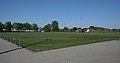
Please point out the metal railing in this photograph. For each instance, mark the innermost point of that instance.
(16, 41)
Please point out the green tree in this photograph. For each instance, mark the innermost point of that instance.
(47, 28)
(92, 27)
(23, 26)
(39, 29)
(84, 30)
(28, 26)
(73, 29)
(1, 26)
(35, 27)
(55, 27)
(18, 26)
(8, 26)
(65, 29)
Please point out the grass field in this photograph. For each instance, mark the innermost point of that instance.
(55, 40)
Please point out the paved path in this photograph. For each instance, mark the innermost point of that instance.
(105, 52)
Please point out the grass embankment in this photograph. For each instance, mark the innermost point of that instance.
(59, 39)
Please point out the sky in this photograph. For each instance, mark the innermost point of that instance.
(69, 13)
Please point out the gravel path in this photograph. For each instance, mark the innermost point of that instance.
(104, 52)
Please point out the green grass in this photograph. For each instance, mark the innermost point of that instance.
(58, 40)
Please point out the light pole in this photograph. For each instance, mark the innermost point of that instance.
(81, 24)
(81, 21)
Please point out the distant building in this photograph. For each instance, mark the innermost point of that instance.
(15, 30)
(88, 30)
(92, 29)
(78, 31)
(4, 29)
(42, 31)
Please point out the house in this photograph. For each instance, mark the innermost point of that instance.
(78, 31)
(88, 30)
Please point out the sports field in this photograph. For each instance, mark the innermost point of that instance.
(55, 40)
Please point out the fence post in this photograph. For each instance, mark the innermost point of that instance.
(14, 41)
(19, 42)
(7, 38)
(3, 37)
(10, 39)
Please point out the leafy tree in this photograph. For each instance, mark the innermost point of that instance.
(39, 29)
(99, 28)
(8, 26)
(28, 26)
(73, 29)
(35, 27)
(1, 26)
(18, 26)
(24, 26)
(15, 25)
(55, 26)
(84, 30)
(114, 29)
(65, 29)
(92, 27)
(47, 28)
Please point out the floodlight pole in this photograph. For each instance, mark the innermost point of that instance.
(81, 21)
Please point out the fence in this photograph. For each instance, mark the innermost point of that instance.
(16, 41)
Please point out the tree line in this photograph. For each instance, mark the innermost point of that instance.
(53, 27)
(8, 26)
